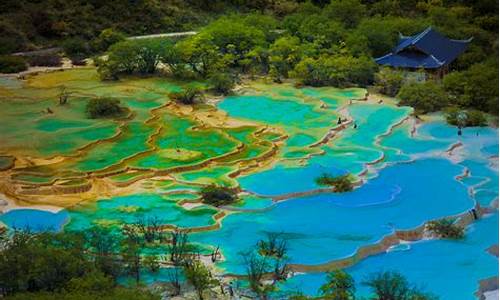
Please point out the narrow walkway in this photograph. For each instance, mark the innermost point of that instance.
(160, 35)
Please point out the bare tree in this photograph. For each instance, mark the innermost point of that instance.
(103, 243)
(280, 269)
(275, 245)
(150, 228)
(63, 95)
(131, 256)
(178, 247)
(199, 276)
(256, 268)
(174, 275)
(215, 254)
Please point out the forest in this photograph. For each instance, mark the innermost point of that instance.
(318, 43)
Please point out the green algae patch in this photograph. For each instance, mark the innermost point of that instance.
(211, 175)
(128, 176)
(130, 143)
(72, 182)
(26, 126)
(30, 178)
(270, 136)
(59, 78)
(180, 140)
(179, 154)
(302, 118)
(300, 140)
(182, 196)
(274, 111)
(251, 202)
(6, 162)
(300, 153)
(129, 209)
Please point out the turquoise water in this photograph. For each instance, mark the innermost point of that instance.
(449, 269)
(271, 111)
(283, 180)
(414, 182)
(326, 227)
(35, 220)
(130, 209)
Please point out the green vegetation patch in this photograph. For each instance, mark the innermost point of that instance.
(105, 108)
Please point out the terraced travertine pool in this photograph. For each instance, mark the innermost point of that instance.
(62, 171)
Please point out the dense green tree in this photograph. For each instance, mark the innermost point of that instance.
(170, 56)
(12, 39)
(200, 54)
(338, 71)
(187, 96)
(104, 244)
(322, 31)
(134, 56)
(199, 276)
(293, 22)
(104, 108)
(106, 38)
(76, 47)
(389, 81)
(12, 64)
(472, 117)
(357, 44)
(256, 267)
(339, 286)
(424, 97)
(392, 285)
(222, 83)
(122, 58)
(476, 87)
(131, 254)
(284, 54)
(446, 228)
(349, 12)
(218, 195)
(231, 37)
(35, 262)
(256, 61)
(383, 33)
(104, 294)
(340, 183)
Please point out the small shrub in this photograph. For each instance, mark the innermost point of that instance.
(106, 38)
(218, 195)
(274, 246)
(187, 96)
(12, 64)
(12, 38)
(340, 183)
(476, 118)
(389, 81)
(445, 228)
(393, 285)
(76, 47)
(339, 285)
(199, 276)
(104, 108)
(424, 97)
(222, 83)
(45, 61)
(470, 117)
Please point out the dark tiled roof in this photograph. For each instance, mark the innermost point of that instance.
(428, 49)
